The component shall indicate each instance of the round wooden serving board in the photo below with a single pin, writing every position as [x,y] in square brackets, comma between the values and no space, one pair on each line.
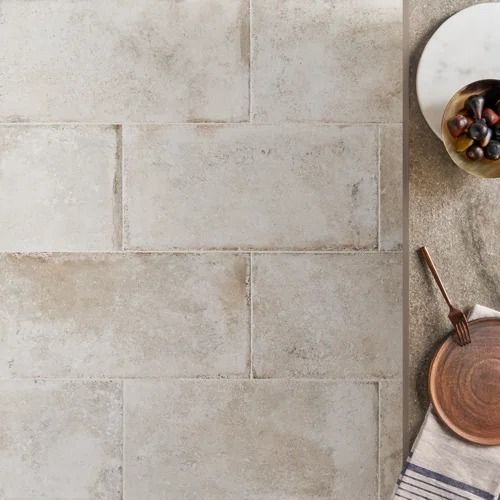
[464,383]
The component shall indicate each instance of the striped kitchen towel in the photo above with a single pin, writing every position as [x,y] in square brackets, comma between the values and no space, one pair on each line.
[443,466]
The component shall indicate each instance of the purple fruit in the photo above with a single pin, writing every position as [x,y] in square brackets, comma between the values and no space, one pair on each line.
[474,105]
[492,150]
[490,116]
[478,130]
[486,139]
[475,153]
[457,125]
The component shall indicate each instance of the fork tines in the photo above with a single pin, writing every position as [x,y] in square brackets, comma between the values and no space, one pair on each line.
[462,330]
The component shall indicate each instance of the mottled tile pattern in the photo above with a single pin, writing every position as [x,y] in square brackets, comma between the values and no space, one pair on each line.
[301,187]
[59,188]
[234,287]
[124,315]
[327,60]
[455,215]
[250,440]
[391,187]
[391,435]
[327,315]
[60,440]
[125,60]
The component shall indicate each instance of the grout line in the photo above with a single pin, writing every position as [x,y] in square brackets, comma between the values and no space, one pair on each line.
[271,252]
[123,439]
[251,291]
[250,61]
[60,124]
[194,124]
[356,380]
[379,185]
[379,437]
[55,253]
[243,378]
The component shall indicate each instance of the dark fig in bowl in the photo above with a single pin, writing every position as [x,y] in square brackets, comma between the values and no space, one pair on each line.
[457,125]
[490,116]
[486,139]
[475,152]
[478,130]
[477,149]
[492,150]
[474,105]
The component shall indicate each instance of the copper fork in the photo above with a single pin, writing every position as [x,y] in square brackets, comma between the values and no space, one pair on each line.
[456,316]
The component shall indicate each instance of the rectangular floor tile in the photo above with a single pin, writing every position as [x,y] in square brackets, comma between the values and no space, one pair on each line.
[391,186]
[330,315]
[59,188]
[327,60]
[118,315]
[125,60]
[241,186]
[60,440]
[391,435]
[250,440]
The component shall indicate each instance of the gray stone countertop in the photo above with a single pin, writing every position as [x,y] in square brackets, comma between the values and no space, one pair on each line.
[456,215]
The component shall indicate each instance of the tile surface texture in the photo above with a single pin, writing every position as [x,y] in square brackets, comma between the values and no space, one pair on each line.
[391,435]
[200,248]
[125,60]
[261,187]
[327,60]
[59,188]
[250,440]
[327,315]
[112,315]
[391,187]
[455,215]
[60,440]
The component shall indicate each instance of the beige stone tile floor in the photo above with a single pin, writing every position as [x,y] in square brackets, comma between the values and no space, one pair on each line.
[124,315]
[60,439]
[59,188]
[391,187]
[352,303]
[244,186]
[352,47]
[192,306]
[390,432]
[251,430]
[125,60]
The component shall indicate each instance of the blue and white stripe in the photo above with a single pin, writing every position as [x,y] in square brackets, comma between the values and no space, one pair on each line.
[418,482]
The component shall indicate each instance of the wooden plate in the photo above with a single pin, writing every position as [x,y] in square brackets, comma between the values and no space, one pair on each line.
[464,383]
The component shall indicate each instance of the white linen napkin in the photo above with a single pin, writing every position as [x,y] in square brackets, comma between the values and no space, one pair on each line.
[443,466]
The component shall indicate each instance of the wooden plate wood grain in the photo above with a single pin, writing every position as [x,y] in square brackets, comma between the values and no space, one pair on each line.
[464,383]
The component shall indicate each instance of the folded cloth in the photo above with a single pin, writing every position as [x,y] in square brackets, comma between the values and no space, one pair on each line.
[443,466]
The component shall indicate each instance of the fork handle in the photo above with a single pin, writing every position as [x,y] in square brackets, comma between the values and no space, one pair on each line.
[424,253]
